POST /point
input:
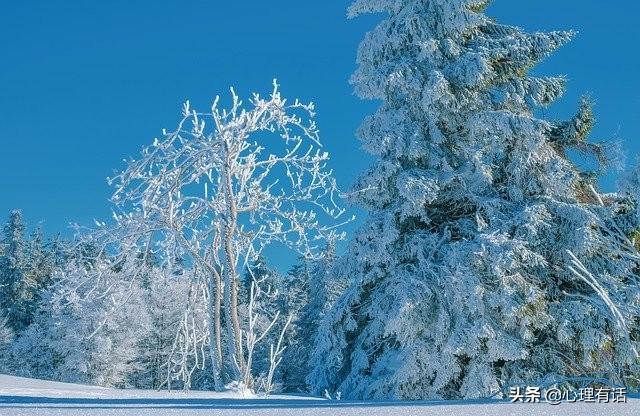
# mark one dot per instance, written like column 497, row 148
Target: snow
column 26, row 397
column 460, row 278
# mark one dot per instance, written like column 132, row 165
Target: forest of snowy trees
column 73, row 314
column 488, row 256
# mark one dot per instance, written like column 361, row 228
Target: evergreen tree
column 295, row 298
column 6, row 339
column 163, row 297
column 88, row 328
column 629, row 186
column 26, row 266
column 462, row 275
column 257, row 270
column 316, row 290
column 294, row 289
column 13, row 262
column 37, row 272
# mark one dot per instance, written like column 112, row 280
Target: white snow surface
column 23, row 396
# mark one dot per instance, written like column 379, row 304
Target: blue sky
column 84, row 84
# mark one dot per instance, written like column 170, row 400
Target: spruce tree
column 26, row 266
column 463, row 277
column 37, row 272
column 316, row 290
column 164, row 295
column 89, row 328
column 6, row 340
column 295, row 297
column 13, row 262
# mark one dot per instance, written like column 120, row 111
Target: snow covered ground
column 21, row 396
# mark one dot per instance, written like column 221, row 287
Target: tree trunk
column 231, row 305
column 215, row 343
column 218, row 325
column 231, row 278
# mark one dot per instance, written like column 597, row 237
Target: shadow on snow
column 197, row 403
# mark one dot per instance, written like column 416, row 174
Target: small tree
column 26, row 266
column 218, row 190
column 261, row 304
column 6, row 338
column 13, row 261
column 87, row 329
column 320, row 288
column 164, row 297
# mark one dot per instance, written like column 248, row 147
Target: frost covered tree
column 26, row 265
column 188, row 364
column 265, row 284
column 464, row 277
column 13, row 260
column 314, row 289
column 295, row 296
column 629, row 185
column 220, row 188
column 77, row 334
column 163, row 297
column 6, row 340
column 42, row 257
column 629, row 245
column 258, row 269
column 323, row 289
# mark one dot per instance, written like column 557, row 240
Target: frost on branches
column 215, row 192
column 475, row 269
column 83, row 331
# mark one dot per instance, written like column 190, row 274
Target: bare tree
column 276, row 352
column 218, row 190
column 252, row 335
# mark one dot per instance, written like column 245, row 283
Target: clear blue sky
column 84, row 84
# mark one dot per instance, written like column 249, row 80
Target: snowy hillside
column 21, row 396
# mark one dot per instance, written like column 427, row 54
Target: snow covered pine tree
column 13, row 288
column 84, row 331
column 314, row 291
column 461, row 273
column 26, row 265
